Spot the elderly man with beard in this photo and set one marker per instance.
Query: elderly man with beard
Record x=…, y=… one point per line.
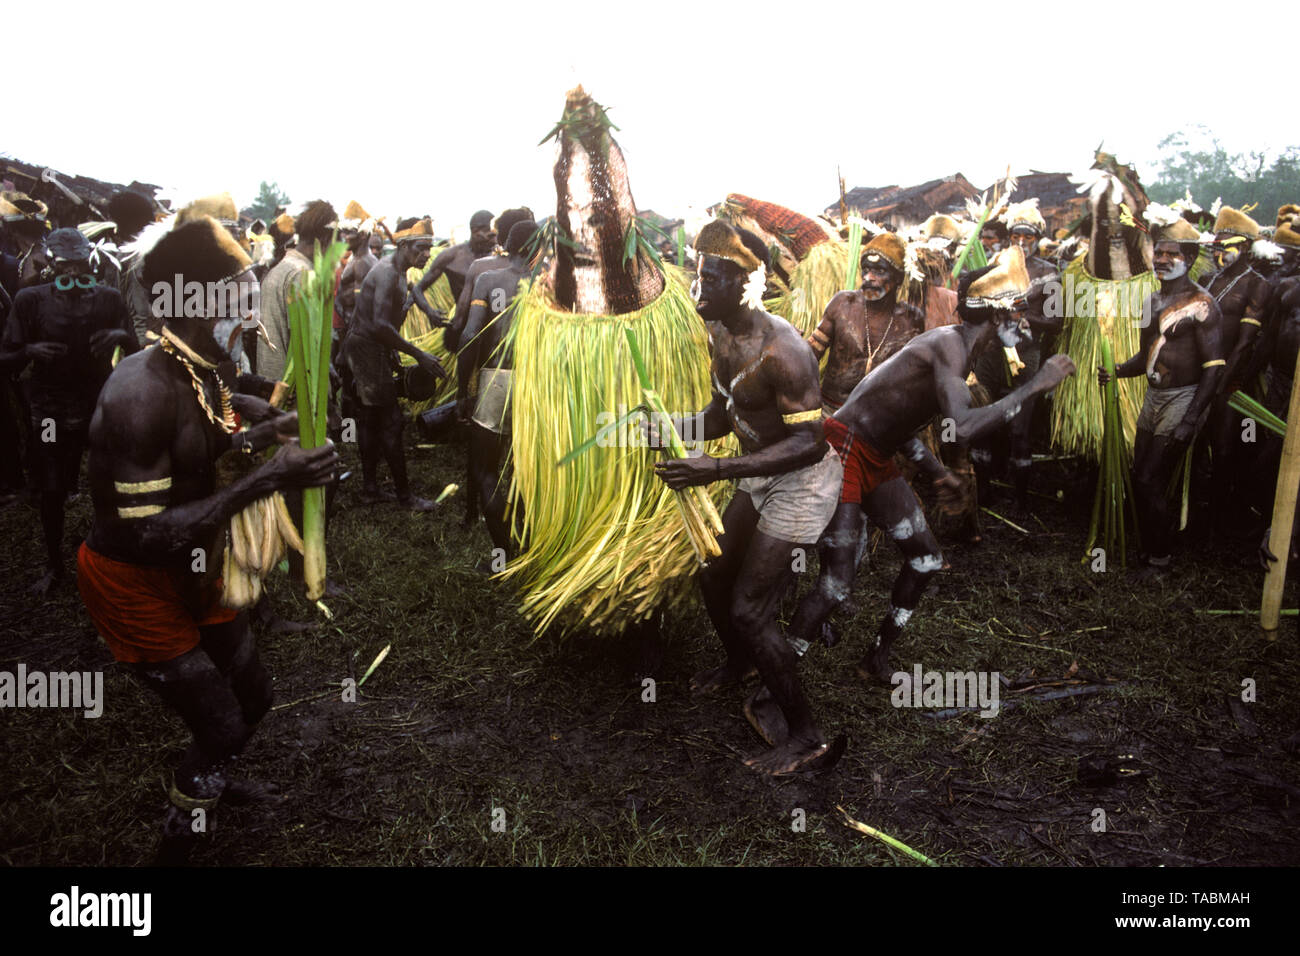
x=765, y=391
x=69, y=329
x=368, y=349
x=865, y=326
x=927, y=377
x=1181, y=354
x=167, y=424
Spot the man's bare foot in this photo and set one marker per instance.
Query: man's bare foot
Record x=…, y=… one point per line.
x=765, y=716
x=47, y=583
x=416, y=503
x=874, y=667
x=710, y=681
x=374, y=496
x=333, y=589
x=240, y=793
x=797, y=755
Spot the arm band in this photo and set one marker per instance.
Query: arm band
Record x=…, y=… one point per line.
x=142, y=487
x=474, y=302
x=140, y=511
x=798, y=418
x=1213, y=362
x=1254, y=322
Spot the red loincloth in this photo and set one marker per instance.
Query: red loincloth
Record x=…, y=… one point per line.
x=138, y=610
x=865, y=469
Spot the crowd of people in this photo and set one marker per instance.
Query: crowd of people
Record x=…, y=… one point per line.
x=913, y=396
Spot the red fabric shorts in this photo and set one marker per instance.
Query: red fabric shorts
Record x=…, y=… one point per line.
x=138, y=610
x=865, y=469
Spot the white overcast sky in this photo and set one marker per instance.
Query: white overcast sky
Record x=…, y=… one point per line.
x=385, y=102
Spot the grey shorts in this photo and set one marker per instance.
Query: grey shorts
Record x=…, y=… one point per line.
x=493, y=408
x=796, y=506
x=1163, y=409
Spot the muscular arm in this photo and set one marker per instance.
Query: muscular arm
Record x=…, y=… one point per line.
x=824, y=334
x=470, y=357
x=429, y=278
x=137, y=439
x=1209, y=350
x=708, y=424
x=349, y=285
x=387, y=306
x=1252, y=324
x=954, y=395
x=792, y=373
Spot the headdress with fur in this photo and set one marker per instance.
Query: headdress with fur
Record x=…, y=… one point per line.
x=356, y=217
x=1287, y=235
x=420, y=229
x=888, y=248
x=200, y=250
x=1236, y=222
x=1287, y=213
x=720, y=239
x=1024, y=214
x=1003, y=285
x=218, y=206
x=940, y=230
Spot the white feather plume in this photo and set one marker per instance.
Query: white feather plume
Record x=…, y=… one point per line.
x=1158, y=214
x=1216, y=206
x=1266, y=250
x=1186, y=204
x=149, y=237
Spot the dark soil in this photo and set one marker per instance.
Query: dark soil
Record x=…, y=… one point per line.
x=469, y=715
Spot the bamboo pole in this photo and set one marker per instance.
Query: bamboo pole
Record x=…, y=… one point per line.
x=1288, y=482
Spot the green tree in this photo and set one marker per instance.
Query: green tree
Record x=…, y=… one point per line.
x=1213, y=172
x=269, y=198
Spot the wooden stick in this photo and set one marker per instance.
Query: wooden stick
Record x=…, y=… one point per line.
x=1288, y=483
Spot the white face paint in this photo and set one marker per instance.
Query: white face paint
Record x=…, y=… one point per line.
x=1175, y=271
x=1009, y=333
x=695, y=291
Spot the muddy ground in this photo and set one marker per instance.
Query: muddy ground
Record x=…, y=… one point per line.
x=469, y=715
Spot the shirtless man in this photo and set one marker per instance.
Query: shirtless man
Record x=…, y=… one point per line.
x=454, y=263
x=1025, y=226
x=360, y=263
x=1243, y=297
x=452, y=337
x=368, y=351
x=881, y=417
x=484, y=336
x=1181, y=354
x=864, y=327
x=765, y=390
x=69, y=328
x=148, y=571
